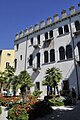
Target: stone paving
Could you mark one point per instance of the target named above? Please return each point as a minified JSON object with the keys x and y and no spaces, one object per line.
{"x":64,"y":113}
{"x":4,"y":114}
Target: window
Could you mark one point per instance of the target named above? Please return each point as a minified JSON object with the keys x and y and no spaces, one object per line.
{"x":51,"y":34}
{"x":7,"y":64}
{"x":69,"y":51}
{"x":15,"y":63}
{"x":78,"y":45}
{"x":17,"y":46}
{"x":52,"y":55}
{"x":37,"y":87}
{"x":20,"y":57}
{"x":46,"y":57}
{"x":62,"y":53}
{"x":38,"y":39}
{"x":46,"y":35}
{"x":30,"y":60}
{"x":66,"y":29}
{"x":60,"y":30}
{"x":77,"y":25}
{"x":38,"y":59}
{"x":8,"y":54}
{"x":31,"y":41}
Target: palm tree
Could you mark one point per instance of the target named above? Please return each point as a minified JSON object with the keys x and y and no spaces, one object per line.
{"x":52,"y":78}
{"x":15,"y":84}
{"x":2,"y":80}
{"x":9,"y":76}
{"x":24,"y":82}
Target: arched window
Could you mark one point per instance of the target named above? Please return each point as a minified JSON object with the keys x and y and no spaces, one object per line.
{"x":62,"y":53}
{"x":52,"y":55}
{"x":46,"y":57}
{"x":38,"y":59}
{"x":69,"y":51}
{"x":46,"y":35}
{"x":30,"y":60}
{"x":60,"y":30}
{"x":15,"y":63}
{"x":51,"y":34}
{"x":66,"y":29}
{"x":38,"y":39}
{"x":77,"y":25}
{"x":78,"y":45}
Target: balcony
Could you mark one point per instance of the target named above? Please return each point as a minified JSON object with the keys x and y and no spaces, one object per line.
{"x":49,"y":39}
{"x":36,"y":46}
{"x":77,"y":33}
{"x":36,"y":67}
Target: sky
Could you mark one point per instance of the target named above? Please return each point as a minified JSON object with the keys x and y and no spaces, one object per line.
{"x":17,"y":15}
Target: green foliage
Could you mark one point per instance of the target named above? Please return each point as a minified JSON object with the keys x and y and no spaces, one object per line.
{"x":23,"y":116}
{"x":9,"y":74}
{"x":0,"y":110}
{"x":52,"y":74}
{"x":56,"y":101}
{"x":2,"y":79}
{"x":12,"y":115}
{"x":37,"y":93}
{"x":25,"y":79}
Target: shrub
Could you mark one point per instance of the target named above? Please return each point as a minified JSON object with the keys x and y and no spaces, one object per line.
{"x":0,"y":110}
{"x":67,"y":101}
{"x":16,"y":115}
{"x":37,"y":93}
{"x":56,"y":101}
{"x":40,"y":109}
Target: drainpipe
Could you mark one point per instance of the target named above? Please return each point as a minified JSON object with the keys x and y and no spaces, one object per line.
{"x":76,"y":69}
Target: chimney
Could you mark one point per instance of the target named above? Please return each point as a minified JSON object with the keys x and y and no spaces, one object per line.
{"x":79,"y":6}
{"x":31,"y":29}
{"x":16,"y":36}
{"x":49,"y":20}
{"x":42,"y":23}
{"x":21,"y":34}
{"x":26,"y":31}
{"x":36,"y":27}
{"x":72,"y":10}
{"x":63,"y":13}
{"x":56,"y":17}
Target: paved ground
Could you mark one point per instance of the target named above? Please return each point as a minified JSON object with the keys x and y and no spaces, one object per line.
{"x":64,"y":113}
{"x":4,"y":114}
{"x":59,"y":113}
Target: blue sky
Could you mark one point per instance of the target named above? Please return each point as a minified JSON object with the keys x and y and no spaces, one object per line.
{"x":16,"y":15}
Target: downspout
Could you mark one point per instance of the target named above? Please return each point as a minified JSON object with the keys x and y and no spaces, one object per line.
{"x":25,"y":54}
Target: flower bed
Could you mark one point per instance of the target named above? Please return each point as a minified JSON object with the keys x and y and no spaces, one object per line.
{"x":5,"y":101}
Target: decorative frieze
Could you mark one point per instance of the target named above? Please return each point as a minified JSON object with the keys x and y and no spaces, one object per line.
{"x":26,"y":31}
{"x":21,"y":34}
{"x":31,"y":29}
{"x":42,"y":24}
{"x":56,"y":17}
{"x":36,"y":27}
{"x":72,"y":10}
{"x":16,"y":36}
{"x":49,"y":20}
{"x":63,"y":13}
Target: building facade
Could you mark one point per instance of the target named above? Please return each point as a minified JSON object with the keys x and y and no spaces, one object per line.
{"x":6,"y":59}
{"x":51,"y":44}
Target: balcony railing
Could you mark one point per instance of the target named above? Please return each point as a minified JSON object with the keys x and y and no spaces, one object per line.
{"x":36,"y":66}
{"x":49,"y":39}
